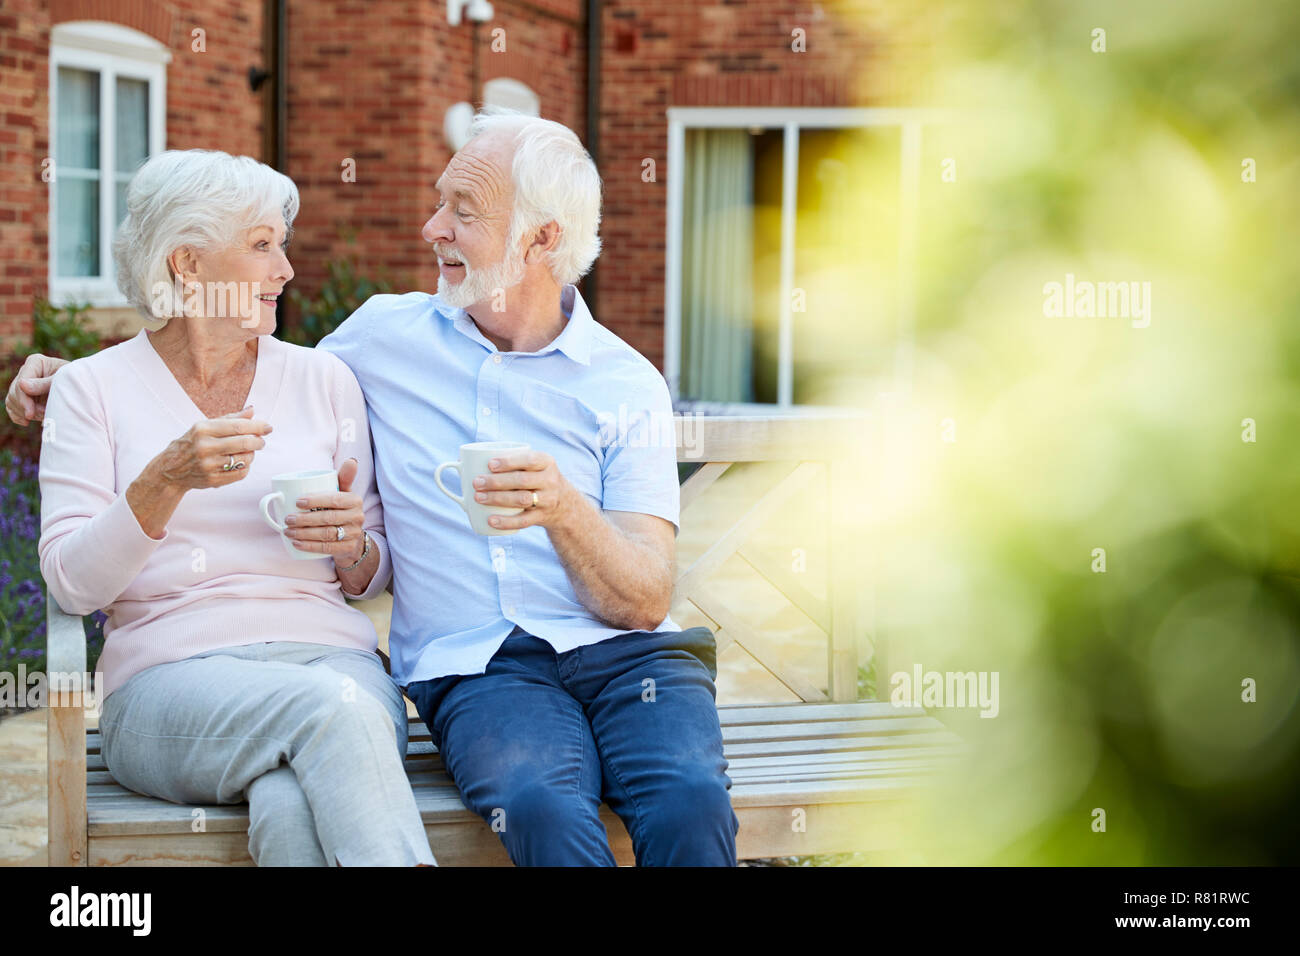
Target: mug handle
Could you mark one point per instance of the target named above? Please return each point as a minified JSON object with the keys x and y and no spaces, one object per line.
{"x":266,"y":512}
{"x":437,"y":476}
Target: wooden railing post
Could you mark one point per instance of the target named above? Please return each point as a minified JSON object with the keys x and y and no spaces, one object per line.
{"x":846,"y":576}
{"x":65,"y":664}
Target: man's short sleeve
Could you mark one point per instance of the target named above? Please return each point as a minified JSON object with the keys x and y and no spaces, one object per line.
{"x":640,"y":444}
{"x":350,"y":339}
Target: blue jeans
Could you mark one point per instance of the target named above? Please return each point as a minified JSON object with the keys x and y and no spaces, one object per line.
{"x":540,"y":739}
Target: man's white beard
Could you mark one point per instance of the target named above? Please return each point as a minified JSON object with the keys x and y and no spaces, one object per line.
{"x":480,"y":284}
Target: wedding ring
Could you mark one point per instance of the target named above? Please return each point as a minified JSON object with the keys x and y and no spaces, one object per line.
{"x":534,"y":504}
{"x":338,"y":530}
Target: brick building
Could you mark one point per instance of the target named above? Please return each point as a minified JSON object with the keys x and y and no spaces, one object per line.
{"x":352,"y":100}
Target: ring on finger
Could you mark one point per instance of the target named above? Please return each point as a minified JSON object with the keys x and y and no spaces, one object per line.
{"x":338,"y":531}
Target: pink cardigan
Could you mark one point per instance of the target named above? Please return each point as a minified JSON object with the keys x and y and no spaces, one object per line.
{"x":219,"y":576}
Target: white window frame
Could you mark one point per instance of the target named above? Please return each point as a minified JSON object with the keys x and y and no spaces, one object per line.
{"x":113,"y":51}
{"x":790,"y":121}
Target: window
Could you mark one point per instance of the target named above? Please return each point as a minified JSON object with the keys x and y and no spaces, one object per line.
{"x":107,"y":109}
{"x":791,"y":236}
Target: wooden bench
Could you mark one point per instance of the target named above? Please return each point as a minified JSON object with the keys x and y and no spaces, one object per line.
{"x":824,"y":773}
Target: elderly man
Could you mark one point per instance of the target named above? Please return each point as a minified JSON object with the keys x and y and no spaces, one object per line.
{"x":544,"y":662}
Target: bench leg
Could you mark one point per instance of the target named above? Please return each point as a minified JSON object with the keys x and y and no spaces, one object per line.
{"x":66,"y":779}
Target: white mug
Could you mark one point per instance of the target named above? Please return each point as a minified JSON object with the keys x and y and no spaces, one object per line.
{"x":474,"y":459}
{"x":288,"y":488}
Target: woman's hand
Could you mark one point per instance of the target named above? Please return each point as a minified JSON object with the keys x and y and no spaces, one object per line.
{"x":197,"y":459}
{"x":316,"y":530}
{"x":208,"y":455}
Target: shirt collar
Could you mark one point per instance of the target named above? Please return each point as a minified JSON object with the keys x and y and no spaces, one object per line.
{"x":574,"y":339}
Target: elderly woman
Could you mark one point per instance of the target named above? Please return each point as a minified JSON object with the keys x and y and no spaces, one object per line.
{"x":231,"y":670}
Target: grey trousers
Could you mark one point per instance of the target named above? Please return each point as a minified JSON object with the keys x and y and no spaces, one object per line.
{"x":312,"y":736}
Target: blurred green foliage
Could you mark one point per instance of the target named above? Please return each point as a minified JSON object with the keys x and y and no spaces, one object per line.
{"x":61,"y":331}
{"x":1106,"y":518}
{"x":55,"y":331}
{"x":339,"y":296}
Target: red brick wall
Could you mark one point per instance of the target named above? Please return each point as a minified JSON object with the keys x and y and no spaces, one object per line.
{"x":209,"y":104}
{"x":373,"y":82}
{"x":684,"y":53}
{"x":376,"y":89}
{"x":24,"y":142}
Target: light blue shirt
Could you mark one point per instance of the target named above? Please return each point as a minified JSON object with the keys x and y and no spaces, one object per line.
{"x":434,"y":382}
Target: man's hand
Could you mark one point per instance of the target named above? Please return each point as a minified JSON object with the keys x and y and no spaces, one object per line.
{"x":619,"y":563}
{"x":515,"y":477}
{"x":25,"y":402}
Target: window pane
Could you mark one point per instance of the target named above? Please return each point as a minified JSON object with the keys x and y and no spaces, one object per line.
{"x":121,"y":200}
{"x":846,"y":260}
{"x":728,"y":345}
{"x":77,"y":230}
{"x":769,"y":166}
{"x":132,"y":125}
{"x":78,"y":119}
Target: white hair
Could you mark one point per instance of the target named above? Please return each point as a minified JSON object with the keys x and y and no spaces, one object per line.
{"x":555,"y":180}
{"x":193,"y":197}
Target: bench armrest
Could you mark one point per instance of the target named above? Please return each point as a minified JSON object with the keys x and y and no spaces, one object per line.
{"x":65,"y":667}
{"x":65,"y":644}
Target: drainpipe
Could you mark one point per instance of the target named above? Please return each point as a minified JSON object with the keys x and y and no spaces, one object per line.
{"x":594,"y":8}
{"x":280,"y":71}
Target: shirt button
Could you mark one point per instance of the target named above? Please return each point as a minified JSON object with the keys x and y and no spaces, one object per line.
{"x":496,"y":359}
{"x":487,"y":411}
{"x":498,"y":552}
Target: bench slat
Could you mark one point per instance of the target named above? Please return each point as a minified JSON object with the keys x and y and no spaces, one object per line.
{"x":734,"y":716}
{"x":421,"y":754}
{"x":106,"y":793}
{"x":815,"y":711}
{"x":831,"y":758}
{"x":880,"y":726}
{"x":117,"y":816}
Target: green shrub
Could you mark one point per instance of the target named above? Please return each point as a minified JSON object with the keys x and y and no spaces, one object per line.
{"x":338,"y":297}
{"x":55,"y":331}
{"x":60,"y":331}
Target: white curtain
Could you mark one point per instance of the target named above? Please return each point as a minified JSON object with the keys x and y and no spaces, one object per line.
{"x":131,"y":142}
{"x":718,"y":267}
{"x":76,"y":186}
